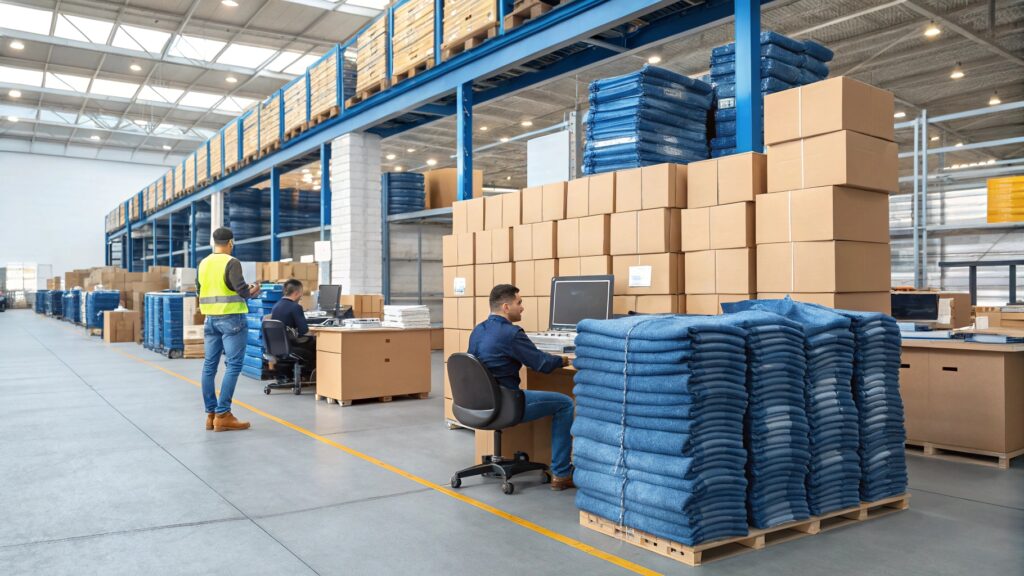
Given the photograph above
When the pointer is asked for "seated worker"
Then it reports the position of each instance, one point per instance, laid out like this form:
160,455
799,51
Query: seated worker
503,348
290,313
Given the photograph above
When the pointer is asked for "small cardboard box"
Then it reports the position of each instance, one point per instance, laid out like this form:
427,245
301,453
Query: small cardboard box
594,266
482,250
702,184
742,177
602,193
467,272
467,313
543,272
522,242
441,187
545,240
569,266
831,105
732,225
554,202
504,273
700,272
492,212
663,186
595,235
120,326
484,279
648,273
864,301
533,205
577,198
525,277
628,190
511,209
695,228
568,238
501,245
476,211
466,246
460,217
842,158
736,271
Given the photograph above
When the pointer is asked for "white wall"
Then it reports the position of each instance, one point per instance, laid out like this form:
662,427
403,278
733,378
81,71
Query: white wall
52,209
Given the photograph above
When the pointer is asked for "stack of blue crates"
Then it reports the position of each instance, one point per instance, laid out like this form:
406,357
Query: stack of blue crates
55,303
785,63
98,302
40,303
73,306
258,308
405,191
171,321
149,322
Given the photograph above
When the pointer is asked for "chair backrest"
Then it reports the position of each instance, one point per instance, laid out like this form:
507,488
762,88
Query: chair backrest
478,401
275,339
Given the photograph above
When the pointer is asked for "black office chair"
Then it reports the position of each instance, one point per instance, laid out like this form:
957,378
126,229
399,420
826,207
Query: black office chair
479,402
277,349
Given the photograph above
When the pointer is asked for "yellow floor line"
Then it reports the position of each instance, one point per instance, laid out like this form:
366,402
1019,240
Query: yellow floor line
571,542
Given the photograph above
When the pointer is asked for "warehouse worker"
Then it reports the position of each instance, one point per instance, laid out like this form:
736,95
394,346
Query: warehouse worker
222,295
290,313
503,348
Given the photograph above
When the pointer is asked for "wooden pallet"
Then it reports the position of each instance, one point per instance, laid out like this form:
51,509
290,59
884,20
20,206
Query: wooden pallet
295,130
418,68
529,10
324,115
756,539
364,94
272,147
468,42
245,160
999,460
94,331
419,396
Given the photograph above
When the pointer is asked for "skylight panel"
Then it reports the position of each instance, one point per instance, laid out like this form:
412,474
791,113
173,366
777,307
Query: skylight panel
283,60
84,29
196,48
160,94
19,111
144,39
235,104
25,19
200,99
113,88
247,56
375,4
21,76
202,132
67,82
300,65
57,116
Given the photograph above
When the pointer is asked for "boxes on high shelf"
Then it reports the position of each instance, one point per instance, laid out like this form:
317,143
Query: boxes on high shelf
464,19
412,36
295,104
441,188
831,105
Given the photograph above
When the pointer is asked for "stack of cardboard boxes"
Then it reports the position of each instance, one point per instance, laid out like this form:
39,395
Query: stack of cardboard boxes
53,283
718,230
306,272
365,305
822,229
122,326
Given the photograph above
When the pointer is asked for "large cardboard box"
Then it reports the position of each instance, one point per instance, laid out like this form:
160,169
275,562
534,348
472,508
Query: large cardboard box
702,184
595,235
569,266
741,177
476,212
372,363
568,238
842,158
577,198
493,212
645,232
865,301
641,274
736,271
466,248
511,209
121,326
450,313
441,187
484,279
594,266
831,105
529,319
838,266
504,273
823,213
482,250
695,228
554,201
543,272
458,281
532,205
700,272
525,278
501,245
732,225
522,242
482,309
467,313
545,240
702,304
628,190
601,193
460,217
663,186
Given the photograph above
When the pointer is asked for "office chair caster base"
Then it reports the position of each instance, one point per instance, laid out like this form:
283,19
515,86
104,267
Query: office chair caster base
456,481
547,478
266,390
508,487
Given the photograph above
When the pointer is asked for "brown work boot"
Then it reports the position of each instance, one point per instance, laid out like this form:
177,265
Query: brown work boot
559,483
209,420
227,421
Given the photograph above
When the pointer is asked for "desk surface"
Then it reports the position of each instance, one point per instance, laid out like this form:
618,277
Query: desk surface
962,345
350,330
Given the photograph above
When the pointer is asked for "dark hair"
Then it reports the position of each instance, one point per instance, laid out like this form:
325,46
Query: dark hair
292,286
221,236
502,293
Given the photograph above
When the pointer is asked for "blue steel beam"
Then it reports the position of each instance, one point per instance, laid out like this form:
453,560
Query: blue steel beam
464,144
275,214
325,189
192,235
170,239
749,119
155,245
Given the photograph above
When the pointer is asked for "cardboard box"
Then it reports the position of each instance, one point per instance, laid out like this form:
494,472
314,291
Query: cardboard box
121,326
601,193
831,105
372,363
736,271
482,250
645,232
451,344
484,279
450,313
702,304
483,308
593,266
504,273
700,273
545,240
842,158
702,184
493,219
661,304
476,212
595,235
732,225
865,301
742,177
460,218
193,332
823,213
838,266
533,205
501,245
468,273
623,304
466,248
522,242
511,209
525,279
648,273
695,229
554,201
543,313
467,313
663,186
577,198
628,190
458,281
529,320
441,187
569,266
543,272
277,271
568,237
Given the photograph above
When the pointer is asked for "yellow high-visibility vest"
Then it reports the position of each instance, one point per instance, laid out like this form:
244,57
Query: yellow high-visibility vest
216,298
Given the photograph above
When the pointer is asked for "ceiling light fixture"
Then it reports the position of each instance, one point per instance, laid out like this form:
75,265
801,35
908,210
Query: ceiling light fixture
504,139
654,59
508,177
958,144
957,72
229,3
166,147
526,123
994,100
94,137
14,93
410,150
136,68
390,157
991,161
934,138
17,45
12,118
431,162
231,79
932,30
139,122
398,168
900,114
483,128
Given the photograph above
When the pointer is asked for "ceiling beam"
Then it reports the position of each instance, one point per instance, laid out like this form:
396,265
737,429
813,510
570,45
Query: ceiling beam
847,17
119,132
984,43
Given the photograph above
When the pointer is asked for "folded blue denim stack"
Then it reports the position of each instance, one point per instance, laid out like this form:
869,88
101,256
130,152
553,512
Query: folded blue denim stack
172,322
785,63
55,303
776,427
658,434
405,191
98,302
248,216
647,117
252,365
876,387
73,306
833,479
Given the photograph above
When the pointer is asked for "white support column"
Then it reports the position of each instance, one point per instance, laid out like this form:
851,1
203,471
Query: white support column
356,213
216,214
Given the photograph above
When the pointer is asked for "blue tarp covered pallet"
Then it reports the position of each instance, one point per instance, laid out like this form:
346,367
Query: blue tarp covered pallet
40,304
171,325
72,306
55,303
98,302
405,191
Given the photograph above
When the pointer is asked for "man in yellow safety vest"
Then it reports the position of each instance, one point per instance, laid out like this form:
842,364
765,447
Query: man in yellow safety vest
222,295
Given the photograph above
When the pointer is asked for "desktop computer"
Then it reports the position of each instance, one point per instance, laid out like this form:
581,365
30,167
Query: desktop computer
574,298
329,306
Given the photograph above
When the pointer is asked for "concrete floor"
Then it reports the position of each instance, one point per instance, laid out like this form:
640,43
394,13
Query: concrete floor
106,469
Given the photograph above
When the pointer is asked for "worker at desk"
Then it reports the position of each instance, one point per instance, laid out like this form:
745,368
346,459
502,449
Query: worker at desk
504,348
290,313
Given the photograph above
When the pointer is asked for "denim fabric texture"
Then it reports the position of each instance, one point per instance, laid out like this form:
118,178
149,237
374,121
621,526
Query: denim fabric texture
225,336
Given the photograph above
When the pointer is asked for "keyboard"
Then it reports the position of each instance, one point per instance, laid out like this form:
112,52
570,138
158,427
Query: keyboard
555,342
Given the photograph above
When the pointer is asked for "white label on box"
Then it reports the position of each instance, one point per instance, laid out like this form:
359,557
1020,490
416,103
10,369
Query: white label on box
981,322
460,287
724,103
639,276
307,259
322,250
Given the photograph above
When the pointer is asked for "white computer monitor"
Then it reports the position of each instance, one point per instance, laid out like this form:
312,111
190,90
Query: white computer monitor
575,298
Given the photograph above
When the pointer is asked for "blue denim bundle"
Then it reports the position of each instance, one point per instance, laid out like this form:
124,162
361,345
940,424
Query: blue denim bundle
98,302
72,306
405,191
833,477
172,324
647,117
658,435
247,213
876,388
252,365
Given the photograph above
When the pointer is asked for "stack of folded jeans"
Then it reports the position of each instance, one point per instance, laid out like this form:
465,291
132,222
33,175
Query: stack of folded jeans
658,435
648,117
833,479
405,191
876,387
776,428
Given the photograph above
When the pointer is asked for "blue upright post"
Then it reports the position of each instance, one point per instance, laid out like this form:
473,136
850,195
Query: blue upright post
192,235
170,239
464,144
325,189
749,104
275,213
156,247
438,30
127,249
106,243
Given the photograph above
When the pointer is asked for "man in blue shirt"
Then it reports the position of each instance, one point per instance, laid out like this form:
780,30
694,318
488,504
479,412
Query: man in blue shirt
291,314
504,348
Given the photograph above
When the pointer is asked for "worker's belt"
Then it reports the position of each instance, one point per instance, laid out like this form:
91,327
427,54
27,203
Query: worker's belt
221,299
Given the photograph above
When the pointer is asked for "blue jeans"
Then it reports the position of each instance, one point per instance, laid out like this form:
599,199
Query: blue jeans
224,335
559,406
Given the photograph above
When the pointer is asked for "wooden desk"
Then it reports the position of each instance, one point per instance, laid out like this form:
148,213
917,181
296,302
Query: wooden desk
965,397
355,364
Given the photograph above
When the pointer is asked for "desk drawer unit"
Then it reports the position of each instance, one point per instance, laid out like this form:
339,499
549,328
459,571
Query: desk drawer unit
355,365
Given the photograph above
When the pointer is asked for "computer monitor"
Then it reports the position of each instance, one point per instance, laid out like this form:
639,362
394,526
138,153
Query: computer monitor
329,299
575,298
915,306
